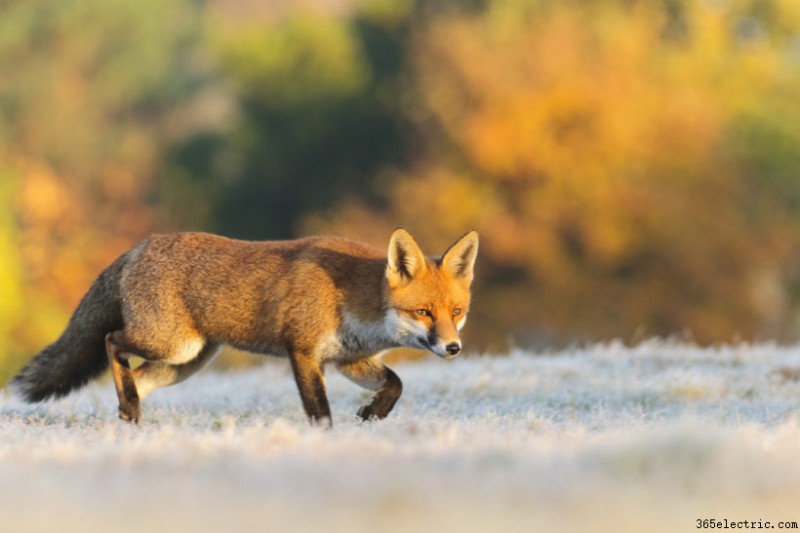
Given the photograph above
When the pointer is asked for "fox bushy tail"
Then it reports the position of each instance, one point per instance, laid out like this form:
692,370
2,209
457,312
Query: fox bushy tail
79,354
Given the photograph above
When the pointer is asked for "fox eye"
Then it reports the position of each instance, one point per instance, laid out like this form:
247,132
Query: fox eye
424,312
456,311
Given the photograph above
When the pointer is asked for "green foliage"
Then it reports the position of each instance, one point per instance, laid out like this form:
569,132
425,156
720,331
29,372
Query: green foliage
764,145
293,62
84,82
320,117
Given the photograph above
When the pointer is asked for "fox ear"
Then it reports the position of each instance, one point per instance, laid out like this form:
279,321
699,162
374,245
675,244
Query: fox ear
405,258
459,259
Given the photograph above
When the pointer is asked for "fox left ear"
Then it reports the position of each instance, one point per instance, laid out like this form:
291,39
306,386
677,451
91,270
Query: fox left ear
406,260
459,259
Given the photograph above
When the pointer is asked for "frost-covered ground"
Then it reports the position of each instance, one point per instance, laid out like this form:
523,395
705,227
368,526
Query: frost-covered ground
607,438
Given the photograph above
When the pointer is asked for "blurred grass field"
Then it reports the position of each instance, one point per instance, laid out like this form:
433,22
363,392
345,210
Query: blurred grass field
604,438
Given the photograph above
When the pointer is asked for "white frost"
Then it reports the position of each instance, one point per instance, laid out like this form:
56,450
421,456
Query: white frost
607,438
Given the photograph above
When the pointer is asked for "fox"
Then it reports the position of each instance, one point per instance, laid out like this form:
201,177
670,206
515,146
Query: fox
174,299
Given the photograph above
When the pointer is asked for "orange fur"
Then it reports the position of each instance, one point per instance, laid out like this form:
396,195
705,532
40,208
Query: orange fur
173,299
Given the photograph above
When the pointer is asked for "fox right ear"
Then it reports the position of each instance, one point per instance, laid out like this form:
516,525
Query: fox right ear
405,258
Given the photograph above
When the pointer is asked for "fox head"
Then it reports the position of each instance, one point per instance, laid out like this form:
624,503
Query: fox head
428,299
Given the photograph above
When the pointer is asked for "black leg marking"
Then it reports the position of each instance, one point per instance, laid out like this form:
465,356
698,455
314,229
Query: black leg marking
311,384
384,400
374,375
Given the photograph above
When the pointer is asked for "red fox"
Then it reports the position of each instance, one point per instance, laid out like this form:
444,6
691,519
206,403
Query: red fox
174,299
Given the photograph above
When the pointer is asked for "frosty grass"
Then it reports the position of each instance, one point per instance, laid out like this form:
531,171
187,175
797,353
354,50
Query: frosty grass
607,438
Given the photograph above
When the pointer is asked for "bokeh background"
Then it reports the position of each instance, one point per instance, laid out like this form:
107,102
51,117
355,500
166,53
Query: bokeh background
633,166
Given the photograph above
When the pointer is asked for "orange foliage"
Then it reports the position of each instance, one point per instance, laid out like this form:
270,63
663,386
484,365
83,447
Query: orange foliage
588,145
61,246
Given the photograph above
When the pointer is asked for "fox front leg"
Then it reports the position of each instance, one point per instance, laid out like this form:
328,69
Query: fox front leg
372,374
311,384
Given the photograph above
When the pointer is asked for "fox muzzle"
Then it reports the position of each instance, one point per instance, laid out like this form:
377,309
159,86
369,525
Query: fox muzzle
448,351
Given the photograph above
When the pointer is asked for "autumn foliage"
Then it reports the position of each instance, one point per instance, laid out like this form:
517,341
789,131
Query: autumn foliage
612,156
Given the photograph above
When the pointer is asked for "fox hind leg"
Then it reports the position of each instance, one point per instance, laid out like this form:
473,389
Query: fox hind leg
129,404
156,374
372,374
183,355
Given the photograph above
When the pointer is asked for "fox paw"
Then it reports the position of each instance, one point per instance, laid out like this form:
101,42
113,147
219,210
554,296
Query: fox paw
368,413
365,413
130,415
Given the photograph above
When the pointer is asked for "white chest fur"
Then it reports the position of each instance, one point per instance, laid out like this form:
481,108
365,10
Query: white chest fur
355,339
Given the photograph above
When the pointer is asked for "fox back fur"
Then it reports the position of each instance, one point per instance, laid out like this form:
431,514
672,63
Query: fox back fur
174,299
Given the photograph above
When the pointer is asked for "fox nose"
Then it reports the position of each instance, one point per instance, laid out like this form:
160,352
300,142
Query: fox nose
453,348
